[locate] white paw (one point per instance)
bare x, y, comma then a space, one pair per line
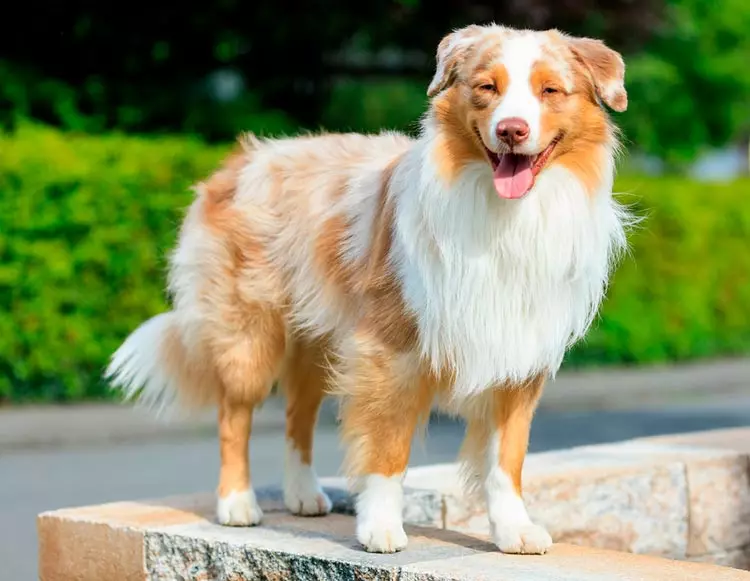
302, 493
239, 509
306, 498
381, 536
528, 539
379, 506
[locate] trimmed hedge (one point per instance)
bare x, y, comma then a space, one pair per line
86, 222
684, 290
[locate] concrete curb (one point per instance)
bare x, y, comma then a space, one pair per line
104, 424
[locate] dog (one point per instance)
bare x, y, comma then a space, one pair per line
451, 271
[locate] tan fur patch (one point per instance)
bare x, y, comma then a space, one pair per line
196, 376
452, 52
247, 362
573, 117
329, 246
385, 399
457, 144
514, 410
384, 313
247, 339
304, 383
221, 187
376, 269
606, 68
328, 253
235, 423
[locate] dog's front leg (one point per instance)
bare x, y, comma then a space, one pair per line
504, 453
383, 403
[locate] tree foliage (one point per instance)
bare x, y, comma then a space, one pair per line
690, 85
149, 66
142, 66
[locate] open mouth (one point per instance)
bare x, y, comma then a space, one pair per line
514, 173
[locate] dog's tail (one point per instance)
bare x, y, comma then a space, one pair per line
155, 368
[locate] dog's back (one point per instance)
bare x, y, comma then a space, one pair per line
275, 243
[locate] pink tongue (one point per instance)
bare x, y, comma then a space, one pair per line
513, 177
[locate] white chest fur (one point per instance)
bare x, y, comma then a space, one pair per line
501, 288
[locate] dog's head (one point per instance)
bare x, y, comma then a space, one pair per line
523, 100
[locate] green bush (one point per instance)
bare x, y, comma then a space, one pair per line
86, 222
684, 290
373, 105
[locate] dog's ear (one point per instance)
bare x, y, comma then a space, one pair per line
606, 69
451, 53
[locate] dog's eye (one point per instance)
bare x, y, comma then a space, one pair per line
487, 87
550, 90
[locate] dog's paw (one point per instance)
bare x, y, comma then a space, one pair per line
305, 497
302, 492
381, 535
527, 539
380, 526
239, 509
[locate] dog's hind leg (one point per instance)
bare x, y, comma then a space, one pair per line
304, 381
247, 365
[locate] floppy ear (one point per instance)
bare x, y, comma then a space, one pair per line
606, 69
451, 52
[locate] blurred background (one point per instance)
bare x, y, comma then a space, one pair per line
108, 113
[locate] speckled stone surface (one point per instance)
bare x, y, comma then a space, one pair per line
625, 507
680, 497
737, 558
720, 504
176, 541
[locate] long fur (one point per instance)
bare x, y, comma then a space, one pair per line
397, 262
502, 289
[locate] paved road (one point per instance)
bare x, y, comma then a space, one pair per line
35, 480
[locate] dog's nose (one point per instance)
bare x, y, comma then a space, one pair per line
512, 131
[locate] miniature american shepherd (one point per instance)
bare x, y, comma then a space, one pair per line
450, 271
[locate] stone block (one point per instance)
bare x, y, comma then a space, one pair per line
589, 501
176, 540
717, 464
675, 496
719, 504
737, 558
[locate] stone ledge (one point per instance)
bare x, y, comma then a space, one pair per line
177, 538
684, 497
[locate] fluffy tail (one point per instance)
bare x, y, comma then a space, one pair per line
154, 367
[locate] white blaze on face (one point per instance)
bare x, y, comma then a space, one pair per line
519, 53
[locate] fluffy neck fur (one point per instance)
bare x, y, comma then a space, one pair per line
501, 288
